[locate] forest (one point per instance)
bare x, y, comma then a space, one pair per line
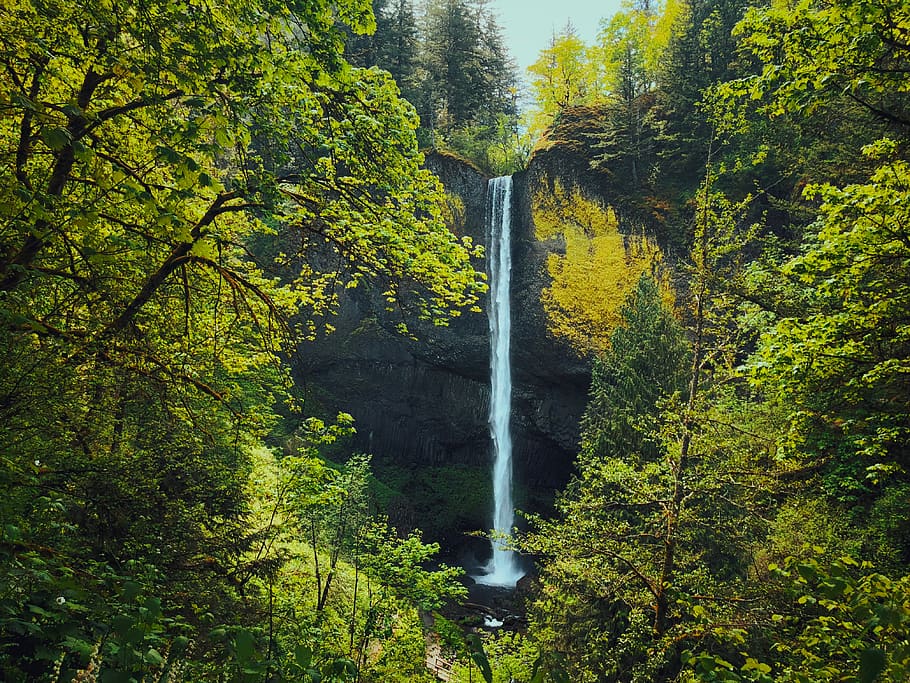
191, 188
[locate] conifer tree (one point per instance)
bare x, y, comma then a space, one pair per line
467, 79
702, 51
631, 47
392, 46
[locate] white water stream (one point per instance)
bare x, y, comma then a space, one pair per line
503, 568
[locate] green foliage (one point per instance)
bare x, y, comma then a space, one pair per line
479, 656
652, 547
645, 362
598, 591
496, 147
146, 149
843, 623
563, 76
350, 131
861, 618
632, 45
358, 582
393, 46
500, 657
468, 90
838, 364
54, 621
621, 69
663, 563
443, 498
151, 150
802, 46
701, 52
631, 49
452, 65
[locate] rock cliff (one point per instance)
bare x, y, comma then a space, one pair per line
421, 405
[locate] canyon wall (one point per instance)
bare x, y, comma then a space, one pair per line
421, 404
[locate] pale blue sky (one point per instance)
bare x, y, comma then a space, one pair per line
529, 24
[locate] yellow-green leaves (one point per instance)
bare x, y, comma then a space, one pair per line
843, 362
154, 156
174, 131
620, 67
599, 269
812, 52
562, 76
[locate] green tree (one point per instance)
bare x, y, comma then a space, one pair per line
624, 42
562, 76
597, 594
467, 78
841, 621
361, 578
392, 47
631, 48
803, 49
646, 362
839, 364
840, 338
793, 119
652, 546
145, 148
829, 359
701, 52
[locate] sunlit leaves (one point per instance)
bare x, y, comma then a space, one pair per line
844, 622
814, 52
563, 75
843, 365
149, 155
602, 555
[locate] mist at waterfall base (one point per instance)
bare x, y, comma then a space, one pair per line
503, 569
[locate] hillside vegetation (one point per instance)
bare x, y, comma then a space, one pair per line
171, 511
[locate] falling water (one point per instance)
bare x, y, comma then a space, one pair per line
503, 569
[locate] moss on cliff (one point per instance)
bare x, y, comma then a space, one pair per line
454, 213
598, 269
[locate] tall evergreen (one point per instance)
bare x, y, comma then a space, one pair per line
467, 78
452, 64
630, 47
598, 589
392, 47
450, 58
702, 52
646, 362
399, 48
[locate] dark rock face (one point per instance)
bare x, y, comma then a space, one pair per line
550, 382
421, 407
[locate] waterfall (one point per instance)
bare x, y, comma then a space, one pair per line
503, 569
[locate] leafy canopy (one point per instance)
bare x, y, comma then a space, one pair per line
148, 151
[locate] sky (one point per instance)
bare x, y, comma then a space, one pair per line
528, 25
